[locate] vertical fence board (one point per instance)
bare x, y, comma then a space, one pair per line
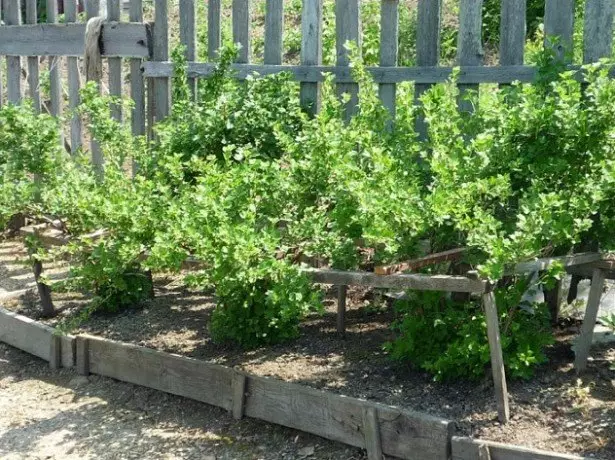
469, 48
33, 71
74, 84
214, 29
311, 51
274, 27
12, 17
161, 53
389, 24
92, 9
115, 64
512, 32
137, 83
241, 29
598, 30
55, 63
187, 35
347, 28
559, 22
427, 48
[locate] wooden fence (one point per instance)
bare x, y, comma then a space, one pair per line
150, 79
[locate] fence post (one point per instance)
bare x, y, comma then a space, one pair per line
187, 36
311, 52
115, 64
598, 30
214, 31
12, 17
584, 342
347, 28
274, 27
137, 84
512, 32
559, 22
161, 87
241, 29
469, 48
33, 70
74, 84
389, 26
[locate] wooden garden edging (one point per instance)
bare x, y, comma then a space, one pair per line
378, 428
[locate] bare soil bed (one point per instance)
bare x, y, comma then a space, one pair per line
556, 410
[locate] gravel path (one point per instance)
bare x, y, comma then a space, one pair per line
60, 415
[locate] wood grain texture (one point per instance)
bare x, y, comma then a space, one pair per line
187, 36
68, 350
12, 17
25, 333
214, 29
311, 52
598, 30
413, 281
468, 449
559, 27
389, 38
347, 29
497, 360
241, 29
274, 31
137, 82
82, 355
546, 262
191, 378
371, 432
512, 32
115, 64
160, 38
55, 69
33, 64
74, 85
118, 39
584, 341
469, 45
239, 394
427, 49
55, 352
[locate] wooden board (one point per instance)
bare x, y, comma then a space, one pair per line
160, 38
68, 350
187, 35
274, 27
469, 45
431, 259
241, 29
584, 341
468, 449
115, 64
497, 360
214, 29
347, 29
118, 39
55, 64
544, 263
74, 85
559, 23
598, 30
25, 333
12, 19
311, 52
389, 39
512, 31
33, 64
137, 82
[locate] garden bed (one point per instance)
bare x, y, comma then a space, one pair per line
554, 411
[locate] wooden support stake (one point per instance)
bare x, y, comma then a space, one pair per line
341, 309
55, 352
584, 341
371, 431
497, 360
239, 394
82, 355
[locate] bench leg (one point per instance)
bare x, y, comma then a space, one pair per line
584, 341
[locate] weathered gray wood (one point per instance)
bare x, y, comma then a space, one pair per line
427, 49
68, 351
559, 24
191, 378
598, 30
403, 433
311, 52
187, 35
92, 11
241, 29
468, 449
115, 64
420, 75
371, 432
239, 394
544, 263
25, 333
341, 309
33, 69
497, 360
74, 85
55, 352
512, 32
92, 8
214, 29
411, 281
469, 45
389, 28
584, 341
118, 39
162, 94
137, 82
82, 355
274, 28
347, 29
55, 63
12, 17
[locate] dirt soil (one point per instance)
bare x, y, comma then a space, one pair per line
556, 410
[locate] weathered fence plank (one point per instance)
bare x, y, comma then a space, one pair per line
347, 29
512, 32
161, 86
33, 69
137, 82
559, 27
274, 29
12, 17
389, 30
74, 84
598, 30
55, 63
584, 341
187, 36
311, 52
427, 49
470, 45
115, 63
214, 29
241, 29
93, 10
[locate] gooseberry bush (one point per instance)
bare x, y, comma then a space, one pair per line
253, 187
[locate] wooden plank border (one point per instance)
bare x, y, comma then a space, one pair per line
463, 448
